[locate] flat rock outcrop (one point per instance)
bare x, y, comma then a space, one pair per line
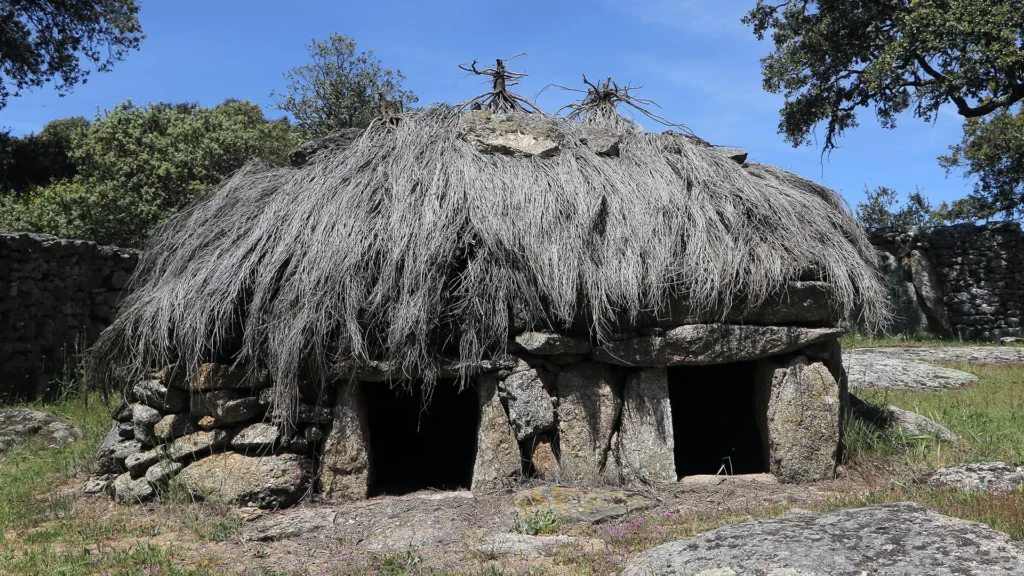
232, 478
981, 477
573, 505
19, 425
903, 538
901, 369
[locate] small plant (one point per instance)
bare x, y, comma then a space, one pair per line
537, 522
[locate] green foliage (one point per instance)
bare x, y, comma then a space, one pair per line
543, 521
138, 165
833, 57
992, 151
339, 88
39, 159
881, 209
60, 41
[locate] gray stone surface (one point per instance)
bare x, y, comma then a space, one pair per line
131, 491
226, 406
900, 369
144, 419
154, 394
18, 425
981, 477
549, 343
525, 546
259, 436
498, 460
262, 481
576, 505
174, 426
914, 424
198, 444
894, 539
98, 484
928, 288
160, 473
949, 354
700, 344
224, 377
345, 461
529, 404
138, 463
589, 404
56, 296
980, 269
646, 444
517, 135
802, 419
113, 451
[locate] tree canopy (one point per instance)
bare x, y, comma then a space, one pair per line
137, 165
992, 151
339, 88
62, 41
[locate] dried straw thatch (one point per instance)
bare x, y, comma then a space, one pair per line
414, 248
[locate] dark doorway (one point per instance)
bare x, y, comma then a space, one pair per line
415, 446
714, 419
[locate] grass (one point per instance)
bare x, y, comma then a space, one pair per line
860, 341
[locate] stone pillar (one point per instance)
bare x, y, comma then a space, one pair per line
589, 402
646, 443
799, 416
345, 463
497, 451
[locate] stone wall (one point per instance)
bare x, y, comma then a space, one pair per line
962, 281
56, 296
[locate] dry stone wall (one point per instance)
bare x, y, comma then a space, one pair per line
964, 281
56, 296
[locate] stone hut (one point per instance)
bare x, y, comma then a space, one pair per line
458, 300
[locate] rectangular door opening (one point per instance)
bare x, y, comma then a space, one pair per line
714, 419
416, 446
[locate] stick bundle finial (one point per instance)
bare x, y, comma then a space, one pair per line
500, 99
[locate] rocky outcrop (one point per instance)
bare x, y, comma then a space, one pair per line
645, 435
497, 456
345, 461
903, 538
895, 369
19, 425
589, 403
800, 403
575, 505
894, 422
983, 477
263, 481
700, 344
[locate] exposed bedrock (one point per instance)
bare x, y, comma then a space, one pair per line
699, 344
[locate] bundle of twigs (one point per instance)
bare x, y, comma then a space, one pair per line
500, 99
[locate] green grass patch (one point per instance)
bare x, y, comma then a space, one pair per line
861, 341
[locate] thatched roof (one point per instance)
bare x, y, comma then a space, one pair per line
414, 247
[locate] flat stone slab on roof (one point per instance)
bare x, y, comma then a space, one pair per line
903, 538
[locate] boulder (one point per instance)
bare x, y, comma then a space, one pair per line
516, 135
903, 538
112, 446
198, 444
18, 425
126, 430
529, 404
982, 477
131, 491
576, 505
646, 444
701, 344
232, 478
154, 394
226, 406
138, 463
497, 455
259, 436
98, 484
223, 377
799, 412
345, 460
161, 472
548, 343
174, 426
603, 143
891, 369
123, 412
541, 453
313, 414
589, 402
144, 419
893, 421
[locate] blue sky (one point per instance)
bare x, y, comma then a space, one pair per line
693, 57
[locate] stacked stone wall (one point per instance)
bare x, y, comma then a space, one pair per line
56, 296
963, 281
